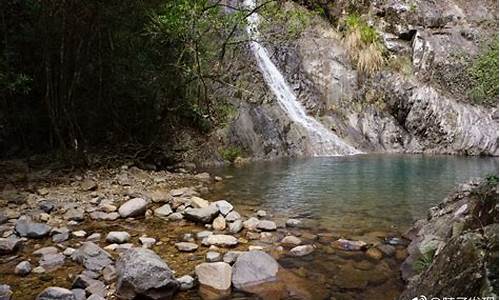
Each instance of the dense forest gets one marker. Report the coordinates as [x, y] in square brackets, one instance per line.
[80, 74]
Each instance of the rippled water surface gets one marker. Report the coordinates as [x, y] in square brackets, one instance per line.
[355, 192]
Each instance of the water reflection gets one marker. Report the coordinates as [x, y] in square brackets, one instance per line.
[368, 191]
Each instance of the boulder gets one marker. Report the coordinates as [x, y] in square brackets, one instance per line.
[56, 293]
[5, 292]
[224, 207]
[92, 257]
[233, 216]
[235, 226]
[293, 223]
[266, 225]
[291, 240]
[349, 245]
[231, 256]
[163, 211]
[186, 282]
[251, 224]
[99, 215]
[147, 242]
[74, 214]
[222, 240]
[213, 256]
[27, 228]
[253, 268]
[198, 202]
[216, 275]
[23, 268]
[143, 274]
[261, 213]
[186, 247]
[133, 208]
[302, 250]
[9, 245]
[219, 223]
[118, 237]
[52, 261]
[202, 215]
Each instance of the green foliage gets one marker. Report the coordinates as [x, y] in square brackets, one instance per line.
[362, 42]
[424, 262]
[230, 153]
[294, 20]
[484, 75]
[368, 33]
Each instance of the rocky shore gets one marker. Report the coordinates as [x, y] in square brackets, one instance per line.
[130, 233]
[455, 251]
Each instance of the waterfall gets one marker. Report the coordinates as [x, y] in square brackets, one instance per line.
[323, 141]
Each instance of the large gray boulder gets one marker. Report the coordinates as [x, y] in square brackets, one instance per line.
[143, 274]
[216, 275]
[92, 257]
[56, 293]
[202, 215]
[27, 228]
[253, 268]
[9, 245]
[133, 208]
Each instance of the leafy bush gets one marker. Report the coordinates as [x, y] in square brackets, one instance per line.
[230, 153]
[484, 75]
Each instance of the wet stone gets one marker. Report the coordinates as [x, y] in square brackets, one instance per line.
[302, 250]
[118, 237]
[26, 228]
[186, 247]
[186, 282]
[254, 267]
[224, 207]
[216, 275]
[221, 240]
[10, 245]
[52, 261]
[133, 208]
[233, 216]
[92, 257]
[56, 293]
[213, 256]
[163, 211]
[23, 268]
[235, 226]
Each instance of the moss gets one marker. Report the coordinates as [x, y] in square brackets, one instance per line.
[484, 75]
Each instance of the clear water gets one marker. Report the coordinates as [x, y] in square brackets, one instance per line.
[322, 142]
[363, 192]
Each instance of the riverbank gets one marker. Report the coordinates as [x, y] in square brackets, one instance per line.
[70, 231]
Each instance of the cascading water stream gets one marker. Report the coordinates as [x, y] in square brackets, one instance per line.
[323, 141]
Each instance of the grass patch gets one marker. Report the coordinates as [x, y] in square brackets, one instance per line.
[484, 75]
[230, 153]
[401, 64]
[363, 45]
[424, 262]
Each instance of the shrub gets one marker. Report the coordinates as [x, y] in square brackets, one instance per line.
[370, 59]
[363, 46]
[484, 75]
[230, 153]
[424, 262]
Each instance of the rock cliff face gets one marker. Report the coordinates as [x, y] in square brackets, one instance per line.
[423, 111]
[455, 251]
